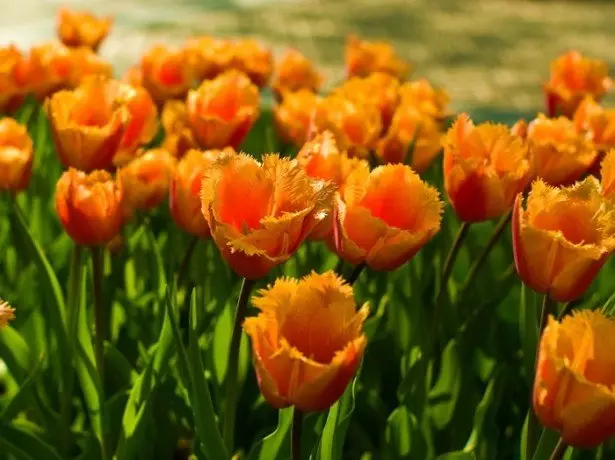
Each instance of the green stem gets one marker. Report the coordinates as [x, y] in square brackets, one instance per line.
[99, 329]
[183, 268]
[233, 363]
[478, 263]
[356, 272]
[74, 295]
[450, 260]
[560, 450]
[295, 439]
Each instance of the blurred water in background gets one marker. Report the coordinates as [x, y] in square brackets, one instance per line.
[491, 55]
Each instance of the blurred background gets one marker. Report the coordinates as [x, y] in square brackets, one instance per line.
[491, 55]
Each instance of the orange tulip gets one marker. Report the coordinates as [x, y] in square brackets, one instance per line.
[356, 124]
[378, 89]
[307, 341]
[6, 313]
[384, 217]
[321, 159]
[364, 57]
[222, 111]
[295, 72]
[599, 122]
[142, 125]
[574, 389]
[573, 77]
[562, 155]
[209, 56]
[178, 136]
[607, 172]
[166, 73]
[49, 68]
[87, 124]
[259, 214]
[89, 206]
[13, 81]
[411, 132]
[185, 194]
[294, 116]
[16, 155]
[81, 28]
[86, 64]
[252, 58]
[146, 180]
[563, 237]
[485, 167]
[425, 98]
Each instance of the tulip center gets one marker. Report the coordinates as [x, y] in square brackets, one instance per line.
[224, 104]
[170, 73]
[94, 112]
[316, 323]
[574, 219]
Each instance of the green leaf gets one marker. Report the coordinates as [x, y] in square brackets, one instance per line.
[220, 345]
[134, 420]
[336, 426]
[161, 278]
[483, 440]
[444, 395]
[24, 398]
[545, 446]
[403, 435]
[457, 456]
[15, 352]
[191, 366]
[276, 445]
[24, 440]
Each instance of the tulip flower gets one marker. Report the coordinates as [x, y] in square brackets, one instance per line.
[89, 206]
[412, 134]
[599, 122]
[16, 155]
[81, 28]
[259, 214]
[321, 159]
[563, 237]
[165, 73]
[378, 89]
[185, 192]
[48, 68]
[86, 64]
[422, 96]
[209, 56]
[13, 79]
[363, 58]
[384, 217]
[574, 76]
[222, 111]
[6, 313]
[562, 155]
[294, 116]
[146, 180]
[356, 124]
[574, 390]
[178, 136]
[252, 58]
[88, 124]
[607, 173]
[142, 124]
[485, 167]
[307, 341]
[295, 72]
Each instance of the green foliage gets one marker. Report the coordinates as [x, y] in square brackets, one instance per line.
[447, 385]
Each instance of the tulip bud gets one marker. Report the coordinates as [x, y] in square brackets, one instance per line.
[89, 206]
[16, 155]
[80, 28]
[384, 217]
[573, 389]
[563, 237]
[295, 72]
[307, 341]
[363, 58]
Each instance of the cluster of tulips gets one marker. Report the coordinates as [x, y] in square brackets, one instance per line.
[354, 184]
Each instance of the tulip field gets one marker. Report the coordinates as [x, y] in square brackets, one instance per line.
[220, 255]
